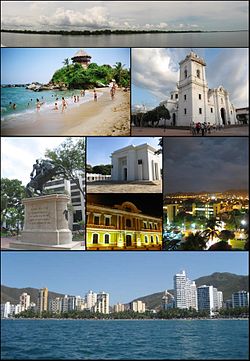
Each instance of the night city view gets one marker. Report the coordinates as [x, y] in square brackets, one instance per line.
[206, 196]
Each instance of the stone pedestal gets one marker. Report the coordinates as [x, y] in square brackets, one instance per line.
[46, 224]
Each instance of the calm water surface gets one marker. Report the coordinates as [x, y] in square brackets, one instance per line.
[124, 340]
[188, 40]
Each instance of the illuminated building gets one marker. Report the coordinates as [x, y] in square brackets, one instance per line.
[208, 210]
[122, 227]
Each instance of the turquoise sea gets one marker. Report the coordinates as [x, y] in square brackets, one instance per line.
[25, 101]
[124, 339]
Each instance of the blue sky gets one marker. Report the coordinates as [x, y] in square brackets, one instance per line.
[99, 149]
[92, 15]
[125, 275]
[25, 65]
[155, 72]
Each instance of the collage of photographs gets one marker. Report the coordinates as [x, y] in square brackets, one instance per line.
[124, 180]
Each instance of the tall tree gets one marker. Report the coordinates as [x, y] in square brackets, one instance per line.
[12, 209]
[212, 230]
[70, 158]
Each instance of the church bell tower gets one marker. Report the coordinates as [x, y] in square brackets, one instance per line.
[193, 90]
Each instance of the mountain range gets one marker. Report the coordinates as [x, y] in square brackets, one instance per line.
[225, 282]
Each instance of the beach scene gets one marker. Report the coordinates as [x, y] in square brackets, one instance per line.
[66, 91]
[125, 24]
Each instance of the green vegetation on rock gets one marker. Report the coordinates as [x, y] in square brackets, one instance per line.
[74, 76]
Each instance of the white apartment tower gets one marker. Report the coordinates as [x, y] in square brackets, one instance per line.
[102, 303]
[207, 298]
[91, 299]
[24, 301]
[185, 291]
[138, 306]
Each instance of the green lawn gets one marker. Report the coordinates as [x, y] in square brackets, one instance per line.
[238, 244]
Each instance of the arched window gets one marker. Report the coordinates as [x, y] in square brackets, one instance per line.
[157, 240]
[128, 240]
[185, 73]
[146, 239]
[106, 238]
[198, 73]
[152, 239]
[95, 238]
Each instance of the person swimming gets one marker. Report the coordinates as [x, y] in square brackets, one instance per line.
[56, 106]
[14, 106]
[38, 104]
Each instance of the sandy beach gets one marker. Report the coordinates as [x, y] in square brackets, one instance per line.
[105, 117]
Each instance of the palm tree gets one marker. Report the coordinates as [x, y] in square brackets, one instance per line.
[211, 231]
[118, 71]
[66, 62]
[194, 242]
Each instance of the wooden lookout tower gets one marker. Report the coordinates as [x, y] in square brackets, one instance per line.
[81, 57]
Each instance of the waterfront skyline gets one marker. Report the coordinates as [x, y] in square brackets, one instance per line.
[151, 85]
[124, 275]
[205, 164]
[148, 15]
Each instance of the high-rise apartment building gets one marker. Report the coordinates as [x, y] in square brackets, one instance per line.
[102, 303]
[43, 297]
[25, 301]
[185, 291]
[240, 299]
[207, 298]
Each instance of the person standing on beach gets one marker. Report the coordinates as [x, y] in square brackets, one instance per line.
[38, 105]
[64, 104]
[95, 96]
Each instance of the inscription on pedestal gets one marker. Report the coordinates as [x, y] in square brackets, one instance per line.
[39, 216]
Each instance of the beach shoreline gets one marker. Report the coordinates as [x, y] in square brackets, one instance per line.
[102, 117]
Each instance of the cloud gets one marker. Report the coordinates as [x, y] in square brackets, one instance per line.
[157, 71]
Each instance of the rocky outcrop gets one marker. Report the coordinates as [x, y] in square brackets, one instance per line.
[50, 86]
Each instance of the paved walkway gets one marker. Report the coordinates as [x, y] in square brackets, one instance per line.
[234, 131]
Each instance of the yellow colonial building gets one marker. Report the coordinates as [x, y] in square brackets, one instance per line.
[122, 227]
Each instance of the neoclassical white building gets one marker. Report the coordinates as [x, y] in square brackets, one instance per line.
[193, 101]
[134, 163]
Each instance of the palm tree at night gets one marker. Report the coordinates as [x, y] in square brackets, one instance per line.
[223, 245]
[211, 231]
[194, 242]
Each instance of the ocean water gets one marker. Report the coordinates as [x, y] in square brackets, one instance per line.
[186, 40]
[22, 98]
[125, 340]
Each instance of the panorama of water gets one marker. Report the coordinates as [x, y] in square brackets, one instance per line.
[187, 40]
[125, 339]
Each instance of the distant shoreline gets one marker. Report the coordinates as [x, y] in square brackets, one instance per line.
[114, 32]
[129, 319]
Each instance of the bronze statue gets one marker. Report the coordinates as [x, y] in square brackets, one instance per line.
[44, 171]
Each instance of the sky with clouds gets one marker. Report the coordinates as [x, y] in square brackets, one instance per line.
[92, 15]
[18, 154]
[155, 72]
[209, 164]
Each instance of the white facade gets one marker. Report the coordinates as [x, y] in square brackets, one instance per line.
[119, 307]
[167, 301]
[219, 300]
[25, 301]
[138, 306]
[207, 298]
[7, 310]
[193, 101]
[185, 291]
[93, 177]
[91, 299]
[102, 303]
[136, 163]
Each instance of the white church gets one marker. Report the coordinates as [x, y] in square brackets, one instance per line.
[136, 163]
[193, 101]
